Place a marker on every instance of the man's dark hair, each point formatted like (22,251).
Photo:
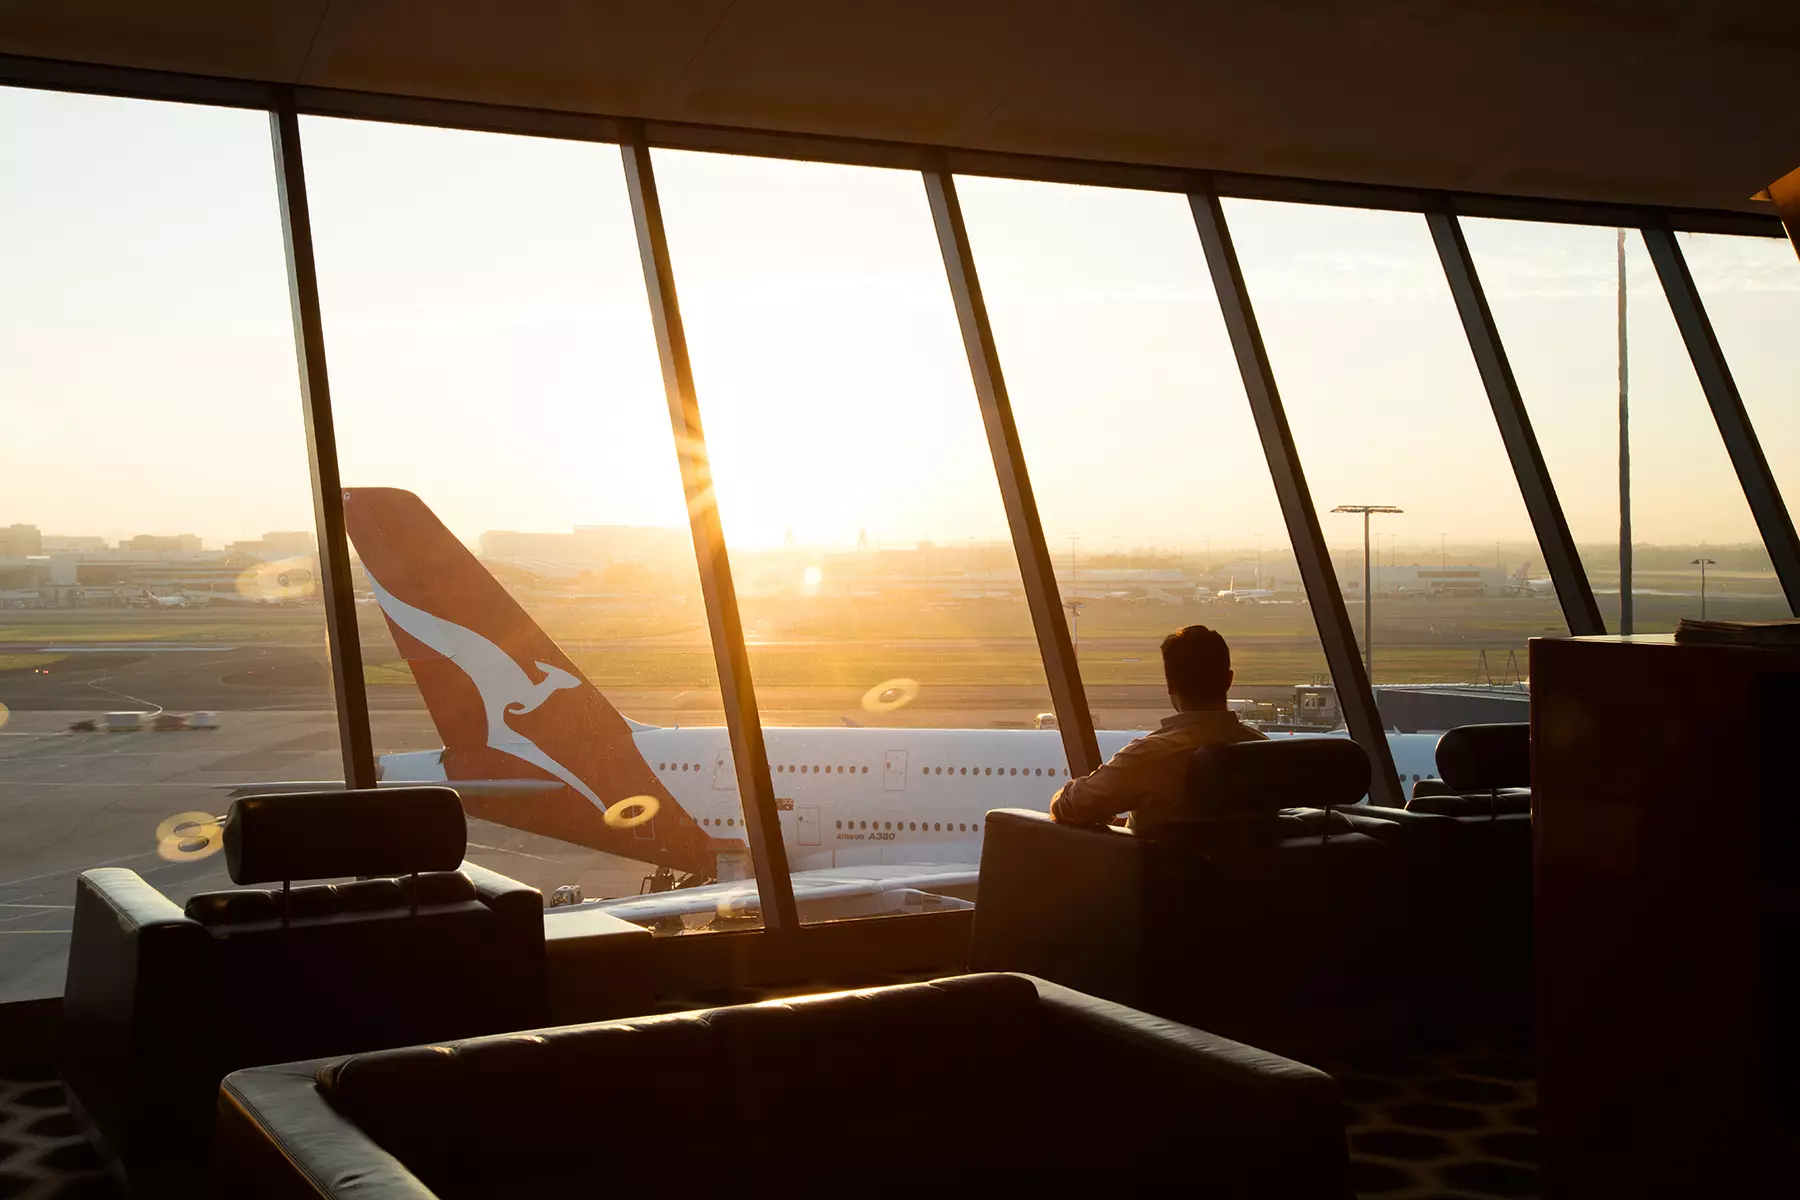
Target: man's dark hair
(1197,663)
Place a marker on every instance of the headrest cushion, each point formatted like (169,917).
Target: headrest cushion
(324,835)
(1479,758)
(1256,779)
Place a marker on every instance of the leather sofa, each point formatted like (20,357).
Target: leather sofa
(162,1002)
(918,1089)
(1275,909)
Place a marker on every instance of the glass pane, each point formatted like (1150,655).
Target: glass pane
(1751,288)
(1159,513)
(160,639)
(1388,410)
(1554,291)
(532,626)
(888,632)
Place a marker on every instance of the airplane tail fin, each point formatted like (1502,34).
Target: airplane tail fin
(507,701)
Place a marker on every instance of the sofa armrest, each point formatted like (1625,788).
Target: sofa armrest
(1061,901)
(277,1138)
(522,969)
(504,894)
(135,993)
(1243,1121)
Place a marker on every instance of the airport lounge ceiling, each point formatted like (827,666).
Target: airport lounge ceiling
(1656,102)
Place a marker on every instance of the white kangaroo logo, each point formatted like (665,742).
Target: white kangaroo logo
(504,686)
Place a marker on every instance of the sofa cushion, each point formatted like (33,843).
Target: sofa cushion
(250,906)
(921,1075)
(1507,802)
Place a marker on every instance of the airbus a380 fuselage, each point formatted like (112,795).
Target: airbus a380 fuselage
(868,797)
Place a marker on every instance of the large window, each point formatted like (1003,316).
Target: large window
(1555,292)
(1150,480)
(1388,411)
(531,621)
(156,559)
(888,633)
(1751,288)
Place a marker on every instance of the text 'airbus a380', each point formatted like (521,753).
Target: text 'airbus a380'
(874,820)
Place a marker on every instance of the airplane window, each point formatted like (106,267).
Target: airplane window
(911,825)
(840,770)
(975,828)
(965,770)
(865,824)
(840,824)
(1040,770)
(660,766)
(778,768)
(731,820)
(963,827)
(890,825)
(935,826)
(1013,771)
(684,766)
(865,770)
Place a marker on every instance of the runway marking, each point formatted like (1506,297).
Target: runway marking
(15,904)
(28,932)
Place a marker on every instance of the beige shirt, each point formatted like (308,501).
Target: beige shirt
(1148,777)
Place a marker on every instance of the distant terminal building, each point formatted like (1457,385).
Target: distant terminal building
(84,571)
(275,544)
(161,543)
(588,548)
(1433,581)
(78,544)
(20,541)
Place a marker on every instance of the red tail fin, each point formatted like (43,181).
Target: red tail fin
(507,701)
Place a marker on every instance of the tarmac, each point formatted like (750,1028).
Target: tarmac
(70,801)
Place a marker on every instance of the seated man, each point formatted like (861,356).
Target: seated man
(1148,776)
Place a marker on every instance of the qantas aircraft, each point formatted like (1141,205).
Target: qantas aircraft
(874,820)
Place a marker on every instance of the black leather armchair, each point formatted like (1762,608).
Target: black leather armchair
(1486,787)
(1296,928)
(161,1003)
(915,1089)
(1485,770)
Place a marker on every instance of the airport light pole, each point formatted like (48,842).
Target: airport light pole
(1368,591)
(1703,563)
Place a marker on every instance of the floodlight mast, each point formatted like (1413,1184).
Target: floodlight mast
(1703,562)
(1368,592)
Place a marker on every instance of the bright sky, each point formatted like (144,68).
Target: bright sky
(490,347)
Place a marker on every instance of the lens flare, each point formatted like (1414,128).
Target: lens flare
(619,816)
(890,695)
(188,836)
(279,581)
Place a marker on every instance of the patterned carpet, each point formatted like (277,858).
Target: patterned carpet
(1456,1124)
(42,1154)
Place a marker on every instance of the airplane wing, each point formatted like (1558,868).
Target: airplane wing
(826,894)
(465,787)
